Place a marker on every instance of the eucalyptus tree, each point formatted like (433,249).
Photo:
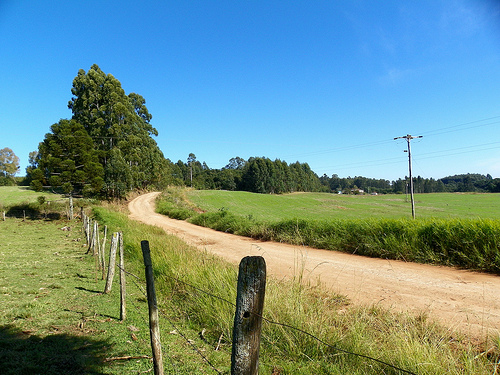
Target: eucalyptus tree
(120,128)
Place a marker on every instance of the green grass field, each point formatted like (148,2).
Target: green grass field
(323,206)
(13,195)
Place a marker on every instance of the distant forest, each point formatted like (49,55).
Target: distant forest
(262,175)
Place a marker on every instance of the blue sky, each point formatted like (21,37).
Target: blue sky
(330,83)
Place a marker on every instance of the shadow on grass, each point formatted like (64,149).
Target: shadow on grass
(89,290)
(22,353)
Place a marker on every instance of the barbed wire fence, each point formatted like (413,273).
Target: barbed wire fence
(247,314)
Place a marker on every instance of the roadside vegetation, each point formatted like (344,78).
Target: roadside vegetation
(413,343)
(318,220)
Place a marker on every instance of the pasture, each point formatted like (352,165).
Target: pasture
(14,195)
(324,206)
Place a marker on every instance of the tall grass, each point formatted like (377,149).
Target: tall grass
(200,288)
(467,243)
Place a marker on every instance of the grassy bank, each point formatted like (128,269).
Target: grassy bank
(471,243)
(411,343)
(53,319)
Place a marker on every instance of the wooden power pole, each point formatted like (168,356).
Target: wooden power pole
(408,138)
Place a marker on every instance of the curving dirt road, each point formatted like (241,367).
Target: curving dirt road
(461,300)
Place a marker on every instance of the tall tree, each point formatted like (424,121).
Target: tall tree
(9,166)
(67,159)
(115,120)
(9,163)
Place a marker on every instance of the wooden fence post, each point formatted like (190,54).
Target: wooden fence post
(89,234)
(248,316)
(3,215)
(95,238)
(111,263)
(84,220)
(123,313)
(102,259)
(154,327)
(70,207)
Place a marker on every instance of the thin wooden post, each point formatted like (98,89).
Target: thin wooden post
(248,316)
(88,231)
(123,313)
(84,224)
(112,263)
(102,259)
(95,237)
(3,215)
(154,327)
(70,207)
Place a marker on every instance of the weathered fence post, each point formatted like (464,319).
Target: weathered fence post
(111,263)
(102,259)
(85,220)
(90,235)
(3,215)
(88,230)
(123,313)
(95,234)
(248,316)
(154,327)
(70,207)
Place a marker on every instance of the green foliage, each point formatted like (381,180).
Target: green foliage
(120,128)
(174,204)
(106,148)
(261,175)
(459,183)
(9,164)
(67,160)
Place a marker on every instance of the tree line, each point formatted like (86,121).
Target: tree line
(257,174)
(106,149)
(476,183)
(262,175)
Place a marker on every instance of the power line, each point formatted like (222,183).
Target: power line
(442,130)
(434,155)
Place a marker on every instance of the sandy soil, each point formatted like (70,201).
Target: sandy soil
(461,300)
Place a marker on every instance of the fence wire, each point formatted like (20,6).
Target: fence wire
(296,329)
(269,321)
(174,326)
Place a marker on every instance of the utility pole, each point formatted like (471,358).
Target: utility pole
(408,138)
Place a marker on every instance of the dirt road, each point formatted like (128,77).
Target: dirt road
(461,300)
